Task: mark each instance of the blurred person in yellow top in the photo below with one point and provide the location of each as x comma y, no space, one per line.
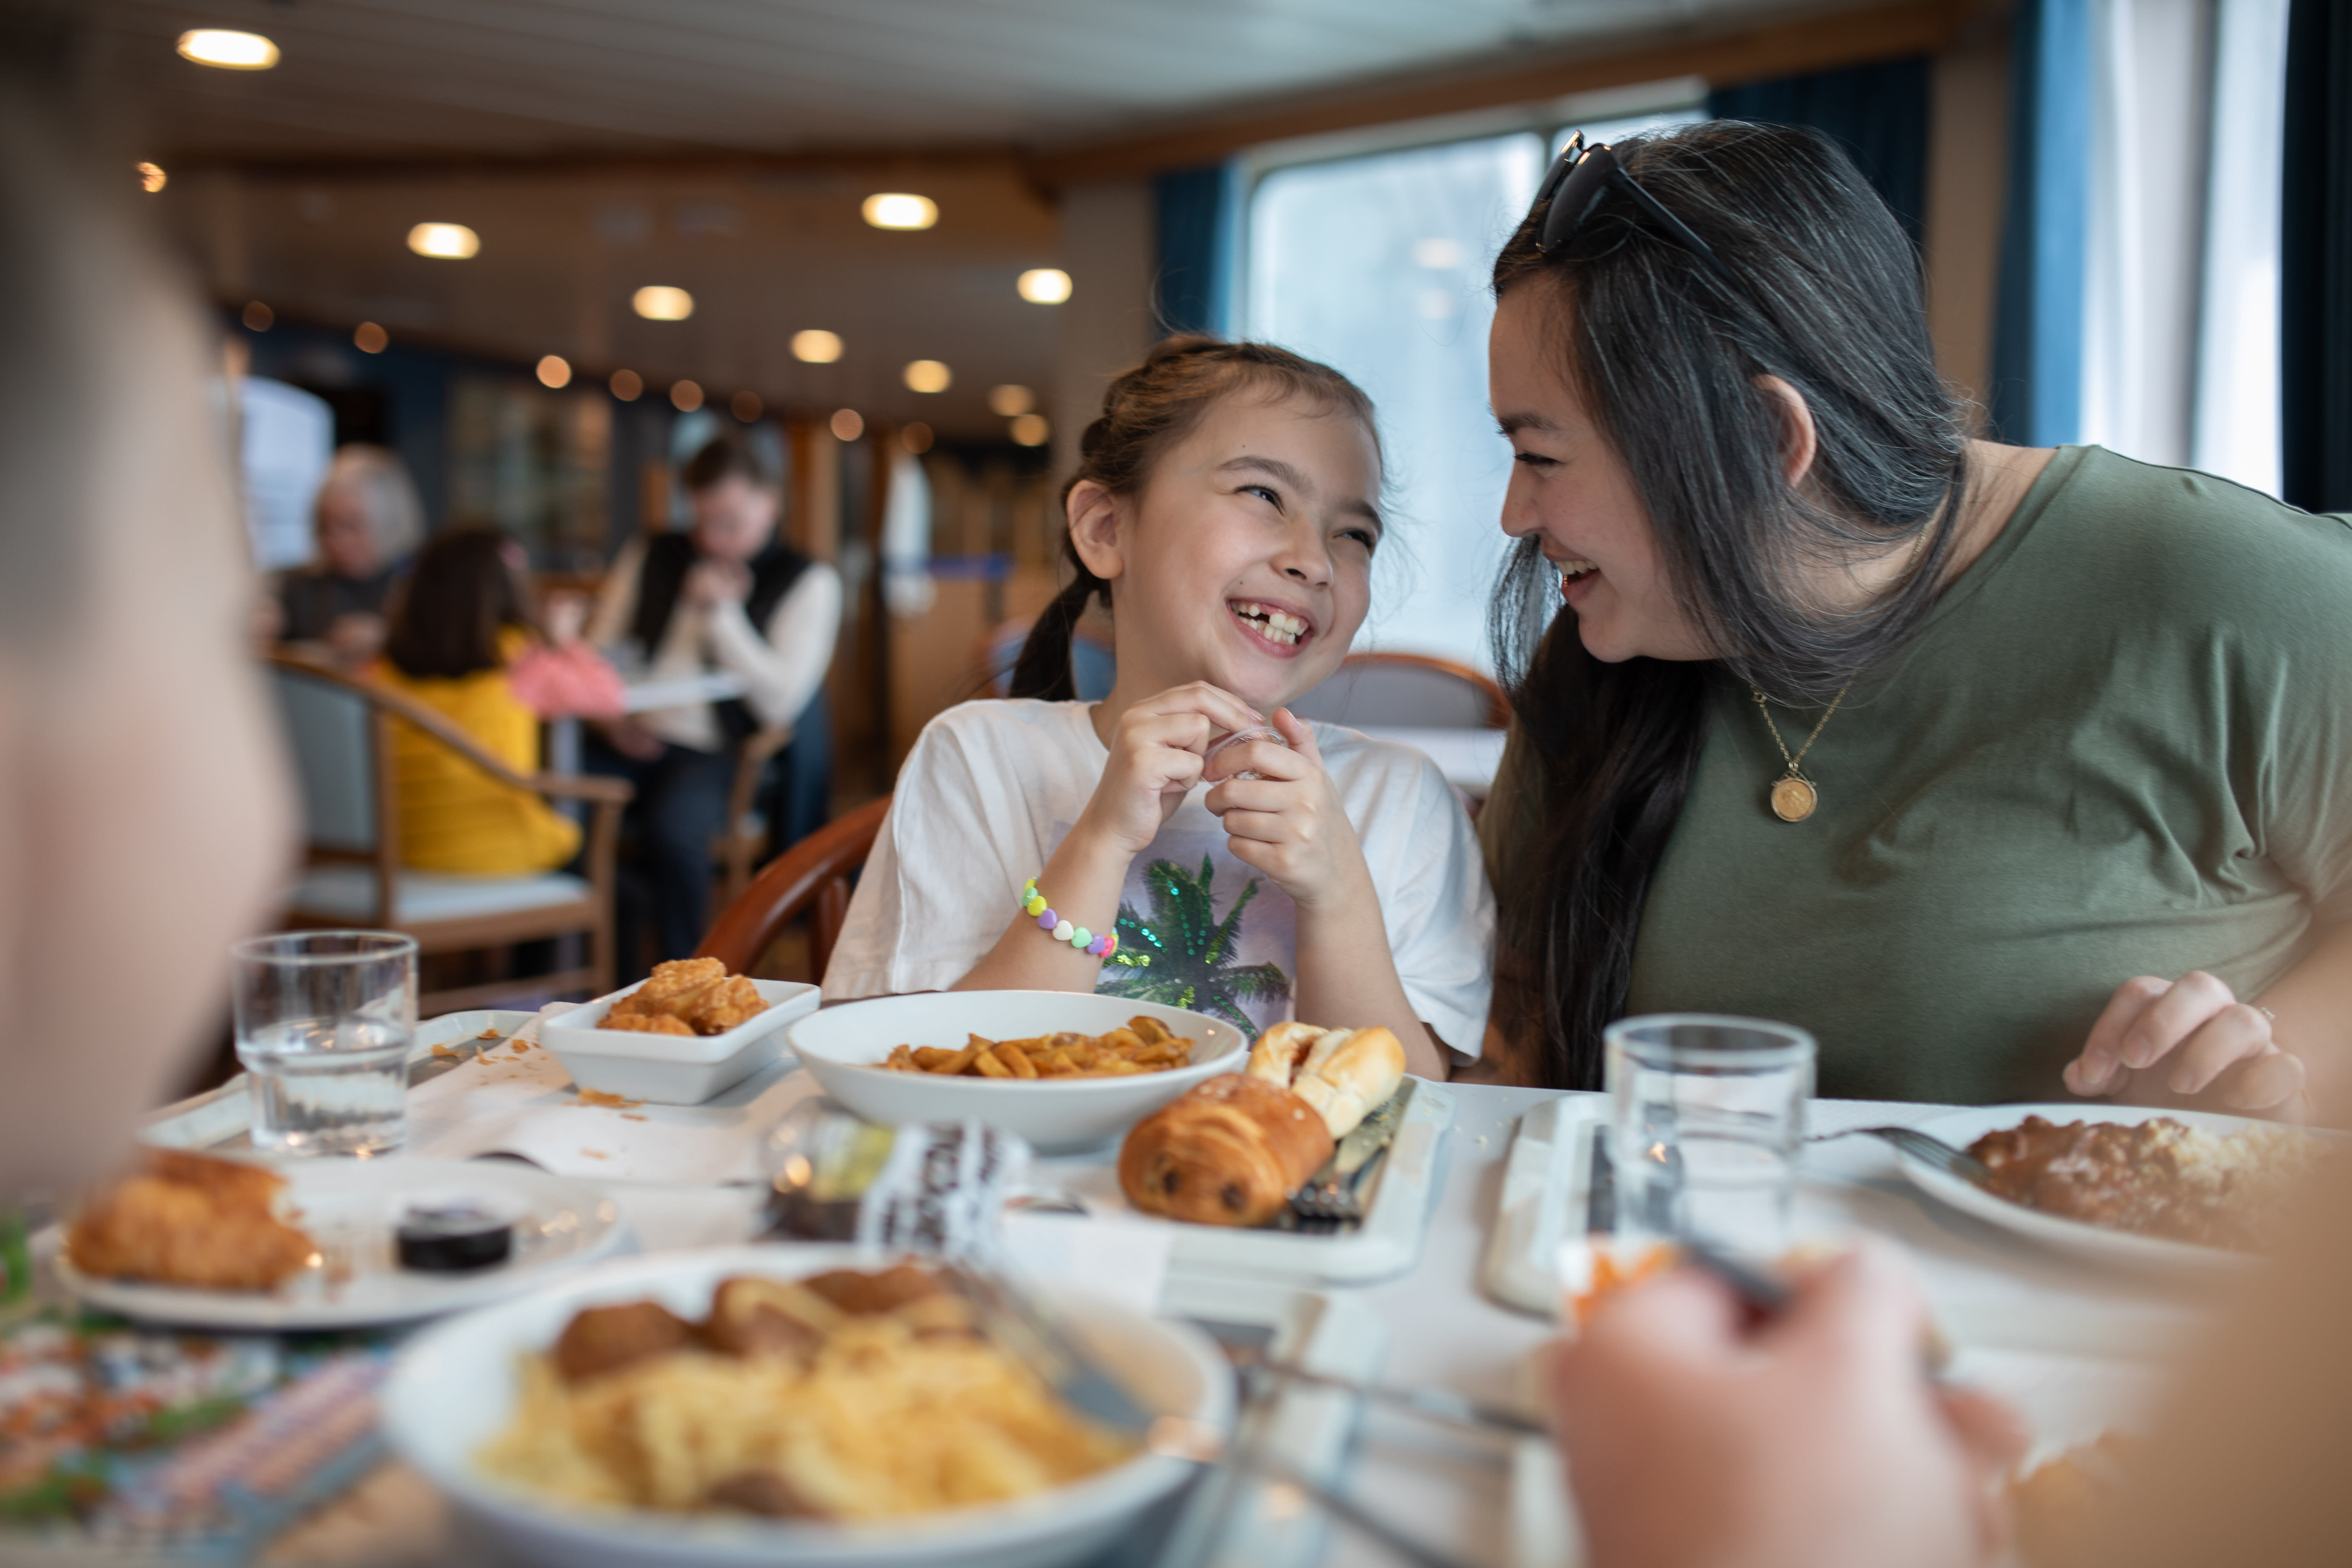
457,633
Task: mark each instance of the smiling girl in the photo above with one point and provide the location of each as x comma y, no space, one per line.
1226,512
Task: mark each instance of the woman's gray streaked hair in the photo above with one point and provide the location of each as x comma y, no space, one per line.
387,495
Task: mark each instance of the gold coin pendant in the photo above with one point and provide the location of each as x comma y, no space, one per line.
1793,799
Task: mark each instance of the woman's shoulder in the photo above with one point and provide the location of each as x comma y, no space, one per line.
2180,531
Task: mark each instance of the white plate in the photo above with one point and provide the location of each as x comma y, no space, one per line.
672,1069
841,1046
1962,1127
350,1207
454,1389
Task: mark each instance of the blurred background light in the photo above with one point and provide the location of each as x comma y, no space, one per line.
660,303
151,178
685,397
746,407
929,375
554,371
900,209
1044,286
1009,400
371,339
256,316
848,423
816,346
916,437
444,241
1031,430
227,48
627,385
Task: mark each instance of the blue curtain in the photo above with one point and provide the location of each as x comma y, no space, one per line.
1877,113
2037,349
1191,206
2315,260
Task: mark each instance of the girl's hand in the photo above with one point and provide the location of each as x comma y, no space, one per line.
1288,822
710,584
1156,754
2206,1032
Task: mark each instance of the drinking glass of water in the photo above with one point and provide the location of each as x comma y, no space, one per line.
1708,1121
323,1024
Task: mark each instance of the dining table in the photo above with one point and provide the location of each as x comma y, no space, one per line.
1483,1499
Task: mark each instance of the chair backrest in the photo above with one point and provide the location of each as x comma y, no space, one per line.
330,733
1406,690
813,877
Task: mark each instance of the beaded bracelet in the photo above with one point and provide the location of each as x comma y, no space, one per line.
1049,919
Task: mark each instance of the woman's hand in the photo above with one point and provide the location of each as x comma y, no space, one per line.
2200,1031
1288,822
1811,1441
1157,753
710,584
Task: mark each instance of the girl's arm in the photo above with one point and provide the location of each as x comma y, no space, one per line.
1290,824
1155,760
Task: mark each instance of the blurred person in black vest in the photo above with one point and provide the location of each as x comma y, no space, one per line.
725,595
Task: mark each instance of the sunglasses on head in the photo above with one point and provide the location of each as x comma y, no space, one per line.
1576,182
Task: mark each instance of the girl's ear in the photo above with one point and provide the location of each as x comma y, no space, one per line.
1094,514
1798,441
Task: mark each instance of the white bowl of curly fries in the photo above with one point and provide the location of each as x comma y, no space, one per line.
611,1466
1064,1069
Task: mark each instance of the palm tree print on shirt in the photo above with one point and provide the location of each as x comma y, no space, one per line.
1190,950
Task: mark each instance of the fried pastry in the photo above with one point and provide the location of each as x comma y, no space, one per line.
190,1219
696,994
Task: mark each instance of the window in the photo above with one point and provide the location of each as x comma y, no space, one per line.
1378,266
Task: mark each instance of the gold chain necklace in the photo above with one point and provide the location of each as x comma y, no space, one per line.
1793,797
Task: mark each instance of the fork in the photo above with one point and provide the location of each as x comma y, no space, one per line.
1923,1147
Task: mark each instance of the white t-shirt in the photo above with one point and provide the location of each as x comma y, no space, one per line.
991,789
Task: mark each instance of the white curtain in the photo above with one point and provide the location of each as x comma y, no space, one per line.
2180,296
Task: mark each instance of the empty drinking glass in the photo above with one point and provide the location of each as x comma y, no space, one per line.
323,1025
1260,732
1708,1117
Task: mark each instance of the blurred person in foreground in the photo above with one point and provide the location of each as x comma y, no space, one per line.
369,521
144,817
1695,1438
726,595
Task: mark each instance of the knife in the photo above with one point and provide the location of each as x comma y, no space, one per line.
1330,1192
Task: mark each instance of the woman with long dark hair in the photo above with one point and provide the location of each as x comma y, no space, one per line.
1998,769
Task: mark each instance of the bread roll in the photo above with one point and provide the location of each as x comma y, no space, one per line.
1347,1075
1229,1152
1344,1074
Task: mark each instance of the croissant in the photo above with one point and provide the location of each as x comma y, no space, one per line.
1229,1152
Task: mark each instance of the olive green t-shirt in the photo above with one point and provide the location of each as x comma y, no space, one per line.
2120,744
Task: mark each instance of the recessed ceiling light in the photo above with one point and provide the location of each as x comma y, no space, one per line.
1010,400
900,209
258,316
444,241
928,375
659,302
151,178
916,437
1031,430
1044,284
816,346
371,339
685,397
846,424
228,49
1437,254
554,370
627,385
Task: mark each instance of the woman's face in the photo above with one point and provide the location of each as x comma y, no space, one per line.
346,533
1569,489
1246,560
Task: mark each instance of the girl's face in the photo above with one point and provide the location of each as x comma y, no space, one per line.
1570,488
1246,560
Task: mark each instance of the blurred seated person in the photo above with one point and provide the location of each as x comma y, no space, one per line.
727,595
369,520
461,642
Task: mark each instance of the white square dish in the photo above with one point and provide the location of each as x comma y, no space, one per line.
673,1070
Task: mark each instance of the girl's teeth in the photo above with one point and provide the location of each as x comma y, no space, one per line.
1576,568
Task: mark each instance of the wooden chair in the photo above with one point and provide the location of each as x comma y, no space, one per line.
738,843
812,878
340,733
1407,691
